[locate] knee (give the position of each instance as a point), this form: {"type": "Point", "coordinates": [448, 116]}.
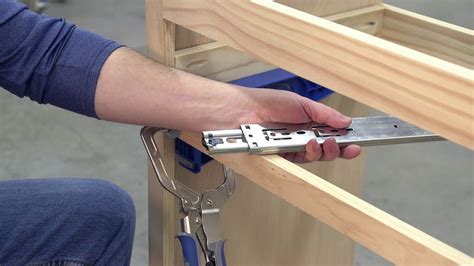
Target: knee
{"type": "Point", "coordinates": [109, 200]}
{"type": "Point", "coordinates": [88, 219]}
{"type": "Point", "coordinates": [107, 205]}
{"type": "Point", "coordinates": [114, 219]}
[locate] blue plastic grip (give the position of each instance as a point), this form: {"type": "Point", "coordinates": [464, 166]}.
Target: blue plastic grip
{"type": "Point", "coordinates": [224, 262]}
{"type": "Point", "coordinates": [189, 245]}
{"type": "Point", "coordinates": [219, 255]}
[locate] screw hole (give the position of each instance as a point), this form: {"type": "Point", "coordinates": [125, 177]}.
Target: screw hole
{"type": "Point", "coordinates": [395, 126]}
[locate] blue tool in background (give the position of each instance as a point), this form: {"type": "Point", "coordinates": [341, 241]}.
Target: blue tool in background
{"type": "Point", "coordinates": [200, 231]}
{"type": "Point", "coordinates": [279, 79]}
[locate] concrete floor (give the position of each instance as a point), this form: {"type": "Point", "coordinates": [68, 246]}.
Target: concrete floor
{"type": "Point", "coordinates": [427, 185]}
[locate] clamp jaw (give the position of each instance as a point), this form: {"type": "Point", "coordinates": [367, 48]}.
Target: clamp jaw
{"type": "Point", "coordinates": [200, 221]}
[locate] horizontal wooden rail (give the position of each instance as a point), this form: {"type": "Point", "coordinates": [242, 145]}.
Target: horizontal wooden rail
{"type": "Point", "coordinates": [384, 234]}
{"type": "Point", "coordinates": [368, 19]}
{"type": "Point", "coordinates": [428, 35]}
{"type": "Point", "coordinates": [432, 93]}
{"type": "Point", "coordinates": [206, 59]}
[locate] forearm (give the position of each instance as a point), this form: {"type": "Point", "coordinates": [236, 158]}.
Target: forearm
{"type": "Point", "coordinates": [133, 89]}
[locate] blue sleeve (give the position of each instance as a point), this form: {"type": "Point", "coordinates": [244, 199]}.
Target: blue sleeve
{"type": "Point", "coordinates": [50, 60]}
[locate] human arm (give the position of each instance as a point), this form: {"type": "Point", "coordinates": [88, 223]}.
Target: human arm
{"type": "Point", "coordinates": [133, 89]}
{"type": "Point", "coordinates": [51, 61]}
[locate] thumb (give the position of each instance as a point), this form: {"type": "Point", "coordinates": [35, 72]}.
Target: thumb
{"type": "Point", "coordinates": [323, 114]}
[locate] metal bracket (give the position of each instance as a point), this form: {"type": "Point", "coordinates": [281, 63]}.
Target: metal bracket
{"type": "Point", "coordinates": [279, 138]}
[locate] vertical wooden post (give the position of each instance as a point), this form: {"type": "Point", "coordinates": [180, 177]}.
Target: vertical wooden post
{"type": "Point", "coordinates": [162, 206]}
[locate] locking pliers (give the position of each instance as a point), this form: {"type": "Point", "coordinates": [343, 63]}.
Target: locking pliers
{"type": "Point", "coordinates": [200, 211]}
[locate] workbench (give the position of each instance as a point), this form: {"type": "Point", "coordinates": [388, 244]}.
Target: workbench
{"type": "Point", "coordinates": [414, 67]}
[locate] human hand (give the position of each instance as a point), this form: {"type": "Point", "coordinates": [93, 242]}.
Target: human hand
{"type": "Point", "coordinates": [273, 106]}
{"type": "Point", "coordinates": [135, 90]}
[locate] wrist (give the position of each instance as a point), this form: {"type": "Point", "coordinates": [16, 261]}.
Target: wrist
{"type": "Point", "coordinates": [252, 107]}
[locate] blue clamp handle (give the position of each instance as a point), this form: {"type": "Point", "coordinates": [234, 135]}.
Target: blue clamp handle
{"type": "Point", "coordinates": [190, 247]}
{"type": "Point", "coordinates": [218, 249]}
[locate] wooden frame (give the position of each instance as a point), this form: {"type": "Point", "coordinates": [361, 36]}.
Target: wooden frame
{"type": "Point", "coordinates": [421, 89]}
{"type": "Point", "coordinates": [382, 233]}
{"type": "Point", "coordinates": [408, 65]}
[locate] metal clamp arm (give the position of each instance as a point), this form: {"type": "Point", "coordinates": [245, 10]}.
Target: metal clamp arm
{"type": "Point", "coordinates": [188, 196]}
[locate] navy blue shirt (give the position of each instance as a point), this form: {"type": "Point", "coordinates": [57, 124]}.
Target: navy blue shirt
{"type": "Point", "coordinates": [50, 60]}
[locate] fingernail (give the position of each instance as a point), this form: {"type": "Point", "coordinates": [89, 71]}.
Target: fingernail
{"type": "Point", "coordinates": [345, 118]}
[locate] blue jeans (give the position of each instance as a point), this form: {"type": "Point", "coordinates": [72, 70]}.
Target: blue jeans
{"type": "Point", "coordinates": [65, 222]}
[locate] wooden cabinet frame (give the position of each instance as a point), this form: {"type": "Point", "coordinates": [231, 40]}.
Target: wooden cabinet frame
{"type": "Point", "coordinates": [414, 67]}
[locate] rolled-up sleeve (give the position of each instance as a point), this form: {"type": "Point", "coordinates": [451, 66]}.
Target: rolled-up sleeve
{"type": "Point", "coordinates": [50, 60]}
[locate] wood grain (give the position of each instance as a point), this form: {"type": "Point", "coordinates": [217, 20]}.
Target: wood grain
{"type": "Point", "coordinates": [292, 223]}
{"type": "Point", "coordinates": [430, 36]}
{"type": "Point", "coordinates": [186, 38]}
{"type": "Point", "coordinates": [423, 90]}
{"type": "Point", "coordinates": [163, 220]}
{"type": "Point", "coordinates": [384, 234]}
{"type": "Point", "coordinates": [368, 20]}
{"type": "Point", "coordinates": [323, 8]}
{"type": "Point", "coordinates": [206, 60]}
{"type": "Point", "coordinates": [278, 233]}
